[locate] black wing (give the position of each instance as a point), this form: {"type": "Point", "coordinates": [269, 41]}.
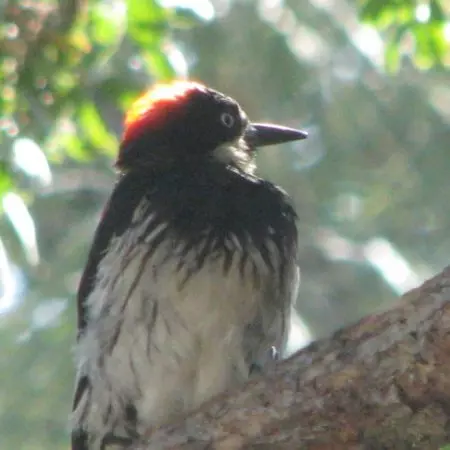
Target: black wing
{"type": "Point", "coordinates": [115, 220]}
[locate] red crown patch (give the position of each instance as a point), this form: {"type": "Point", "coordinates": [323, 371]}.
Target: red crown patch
{"type": "Point", "coordinates": [156, 107]}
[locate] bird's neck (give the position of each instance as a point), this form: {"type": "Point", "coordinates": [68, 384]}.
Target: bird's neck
{"type": "Point", "coordinates": [217, 197]}
{"type": "Point", "coordinates": [235, 155]}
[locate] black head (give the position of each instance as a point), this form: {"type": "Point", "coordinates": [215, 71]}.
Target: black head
{"type": "Point", "coordinates": [186, 122]}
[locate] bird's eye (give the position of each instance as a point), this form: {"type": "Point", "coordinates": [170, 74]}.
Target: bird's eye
{"type": "Point", "coordinates": [227, 119]}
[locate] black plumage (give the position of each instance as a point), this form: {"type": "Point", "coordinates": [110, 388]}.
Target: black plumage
{"type": "Point", "coordinates": [193, 250]}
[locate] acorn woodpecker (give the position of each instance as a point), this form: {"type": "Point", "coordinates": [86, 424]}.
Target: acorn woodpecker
{"type": "Point", "coordinates": [191, 276]}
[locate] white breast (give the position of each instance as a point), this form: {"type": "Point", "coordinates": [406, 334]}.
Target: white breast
{"type": "Point", "coordinates": [166, 339]}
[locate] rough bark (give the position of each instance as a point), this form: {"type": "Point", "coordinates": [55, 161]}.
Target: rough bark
{"type": "Point", "coordinates": [383, 383]}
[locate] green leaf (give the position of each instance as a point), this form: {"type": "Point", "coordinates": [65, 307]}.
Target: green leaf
{"type": "Point", "coordinates": [148, 25]}
{"type": "Point", "coordinates": [74, 148]}
{"type": "Point", "coordinates": [373, 9]}
{"type": "Point", "coordinates": [148, 22]}
{"type": "Point", "coordinates": [398, 18]}
{"type": "Point", "coordinates": [437, 13]}
{"type": "Point", "coordinates": [95, 130]}
{"type": "Point", "coordinates": [159, 64]}
{"type": "Point", "coordinates": [106, 28]}
{"type": "Point", "coordinates": [431, 45]}
{"type": "Point", "coordinates": [6, 179]}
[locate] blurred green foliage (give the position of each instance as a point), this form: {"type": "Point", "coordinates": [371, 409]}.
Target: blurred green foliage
{"type": "Point", "coordinates": [369, 185]}
{"type": "Point", "coordinates": [62, 66]}
{"type": "Point", "coordinates": [58, 60]}
{"type": "Point", "coordinates": [419, 30]}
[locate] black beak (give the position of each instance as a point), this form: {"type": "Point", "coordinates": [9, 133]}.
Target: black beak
{"type": "Point", "coordinates": [259, 134]}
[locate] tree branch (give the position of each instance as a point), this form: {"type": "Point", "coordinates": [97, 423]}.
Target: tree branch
{"type": "Point", "coordinates": [383, 383]}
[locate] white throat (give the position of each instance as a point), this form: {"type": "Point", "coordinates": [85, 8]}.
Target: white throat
{"type": "Point", "coordinates": [237, 154]}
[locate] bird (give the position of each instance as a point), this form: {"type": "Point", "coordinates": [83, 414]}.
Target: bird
{"type": "Point", "coordinates": [192, 274]}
